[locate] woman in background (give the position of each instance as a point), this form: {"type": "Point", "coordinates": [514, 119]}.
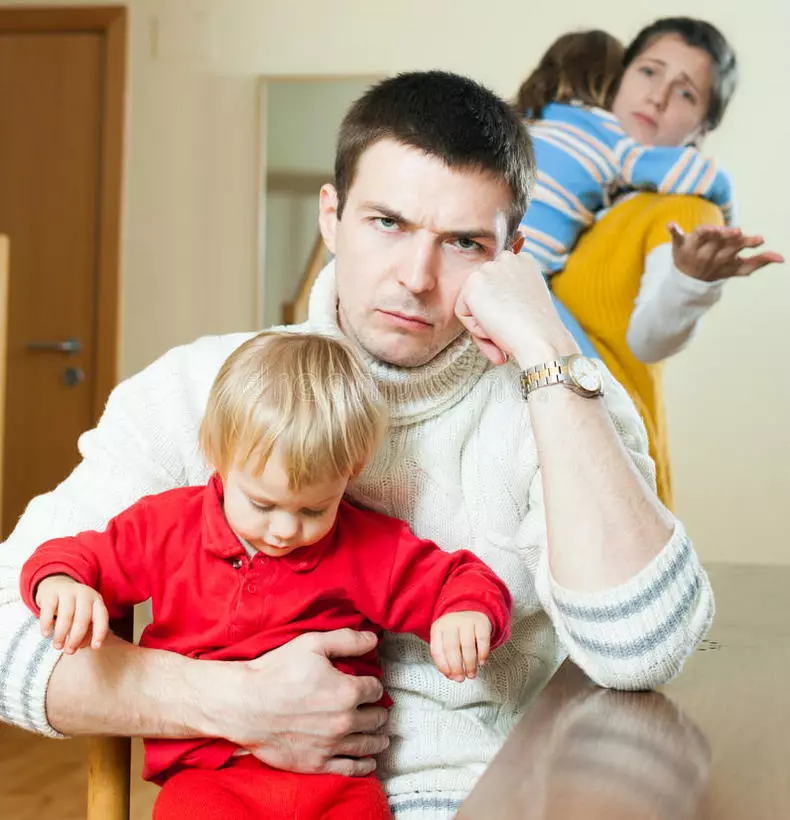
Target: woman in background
{"type": "Point", "coordinates": [640, 301]}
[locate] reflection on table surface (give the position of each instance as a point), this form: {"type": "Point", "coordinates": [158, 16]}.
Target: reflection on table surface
{"type": "Point", "coordinates": [712, 745]}
{"type": "Point", "coordinates": [586, 752]}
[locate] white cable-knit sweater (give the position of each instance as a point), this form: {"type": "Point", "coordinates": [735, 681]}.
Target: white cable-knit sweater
{"type": "Point", "coordinates": [460, 465]}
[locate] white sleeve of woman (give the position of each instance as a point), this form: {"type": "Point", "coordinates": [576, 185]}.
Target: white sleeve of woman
{"type": "Point", "coordinates": [668, 308]}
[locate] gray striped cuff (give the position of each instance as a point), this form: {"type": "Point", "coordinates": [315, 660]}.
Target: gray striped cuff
{"type": "Point", "coordinates": [639, 633]}
{"type": "Point", "coordinates": [26, 664]}
{"type": "Point", "coordinates": [426, 806]}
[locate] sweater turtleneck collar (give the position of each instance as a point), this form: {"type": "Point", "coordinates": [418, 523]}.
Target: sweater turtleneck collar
{"type": "Point", "coordinates": [412, 394]}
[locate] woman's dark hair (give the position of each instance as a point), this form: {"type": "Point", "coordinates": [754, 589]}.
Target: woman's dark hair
{"type": "Point", "coordinates": [582, 65]}
{"type": "Point", "coordinates": [702, 35]}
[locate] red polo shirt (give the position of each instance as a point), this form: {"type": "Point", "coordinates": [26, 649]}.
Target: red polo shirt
{"type": "Point", "coordinates": [209, 600]}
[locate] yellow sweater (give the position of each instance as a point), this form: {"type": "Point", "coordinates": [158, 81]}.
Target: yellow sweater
{"type": "Point", "coordinates": [600, 284]}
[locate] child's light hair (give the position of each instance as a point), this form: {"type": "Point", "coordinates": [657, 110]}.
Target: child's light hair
{"type": "Point", "coordinates": [307, 395]}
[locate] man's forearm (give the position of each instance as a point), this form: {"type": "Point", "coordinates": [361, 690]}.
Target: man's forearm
{"type": "Point", "coordinates": [604, 522]}
{"type": "Point", "coordinates": [290, 707]}
{"type": "Point", "coordinates": [123, 689]}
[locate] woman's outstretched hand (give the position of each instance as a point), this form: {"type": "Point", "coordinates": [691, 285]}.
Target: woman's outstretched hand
{"type": "Point", "coordinates": [711, 253]}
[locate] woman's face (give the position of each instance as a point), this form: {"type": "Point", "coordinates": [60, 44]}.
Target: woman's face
{"type": "Point", "coordinates": [664, 94]}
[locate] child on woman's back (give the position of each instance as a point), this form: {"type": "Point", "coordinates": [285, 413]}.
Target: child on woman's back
{"type": "Point", "coordinates": [583, 153]}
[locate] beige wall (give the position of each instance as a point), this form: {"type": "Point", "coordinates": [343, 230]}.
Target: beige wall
{"type": "Point", "coordinates": [300, 119]}
{"type": "Point", "coordinates": [189, 253]}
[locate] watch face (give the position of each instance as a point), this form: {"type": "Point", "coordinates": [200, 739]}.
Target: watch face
{"type": "Point", "coordinates": [585, 373]}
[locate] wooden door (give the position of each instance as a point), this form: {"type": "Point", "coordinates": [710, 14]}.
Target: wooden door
{"type": "Point", "coordinates": [3, 344]}
{"type": "Point", "coordinates": [55, 180]}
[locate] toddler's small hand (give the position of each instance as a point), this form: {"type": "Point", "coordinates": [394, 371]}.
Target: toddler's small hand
{"type": "Point", "coordinates": [76, 610]}
{"type": "Point", "coordinates": [460, 642]}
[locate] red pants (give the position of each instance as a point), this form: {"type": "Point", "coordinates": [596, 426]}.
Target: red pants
{"type": "Point", "coordinates": [247, 789]}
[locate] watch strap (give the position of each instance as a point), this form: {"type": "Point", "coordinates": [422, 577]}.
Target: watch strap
{"type": "Point", "coordinates": [557, 371]}
{"type": "Point", "coordinates": [545, 375]}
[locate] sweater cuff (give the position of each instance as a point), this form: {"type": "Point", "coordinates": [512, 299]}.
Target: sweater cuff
{"type": "Point", "coordinates": [705, 292]}
{"type": "Point", "coordinates": [639, 634]}
{"type": "Point", "coordinates": [27, 667]}
{"type": "Point", "coordinates": [426, 805]}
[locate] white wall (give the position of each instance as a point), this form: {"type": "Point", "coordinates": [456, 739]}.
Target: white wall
{"type": "Point", "coordinates": [291, 228]}
{"type": "Point", "coordinates": [300, 119]}
{"type": "Point", "coordinates": [189, 249]}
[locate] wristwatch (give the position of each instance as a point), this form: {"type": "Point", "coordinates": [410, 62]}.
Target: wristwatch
{"type": "Point", "coordinates": [578, 373]}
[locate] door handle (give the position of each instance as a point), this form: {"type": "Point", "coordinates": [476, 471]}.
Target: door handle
{"type": "Point", "coordinates": [65, 346]}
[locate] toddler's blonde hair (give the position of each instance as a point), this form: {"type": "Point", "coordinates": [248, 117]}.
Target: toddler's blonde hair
{"type": "Point", "coordinates": [306, 394]}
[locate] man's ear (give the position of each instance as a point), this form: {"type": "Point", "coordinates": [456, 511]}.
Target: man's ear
{"type": "Point", "coordinates": [518, 244]}
{"type": "Point", "coordinates": [327, 215]}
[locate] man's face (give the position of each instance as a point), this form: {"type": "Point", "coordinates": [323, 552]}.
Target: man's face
{"type": "Point", "coordinates": [412, 231]}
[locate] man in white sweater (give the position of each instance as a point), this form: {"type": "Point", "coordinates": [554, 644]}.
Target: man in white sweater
{"type": "Point", "coordinates": [555, 492]}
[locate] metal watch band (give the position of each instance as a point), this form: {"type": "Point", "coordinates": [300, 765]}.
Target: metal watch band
{"type": "Point", "coordinates": [545, 375]}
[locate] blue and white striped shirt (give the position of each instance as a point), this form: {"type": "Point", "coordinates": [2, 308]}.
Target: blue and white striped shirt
{"type": "Point", "coordinates": [582, 154]}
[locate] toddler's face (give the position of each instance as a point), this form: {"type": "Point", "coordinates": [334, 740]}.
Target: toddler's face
{"type": "Point", "coordinates": [274, 519]}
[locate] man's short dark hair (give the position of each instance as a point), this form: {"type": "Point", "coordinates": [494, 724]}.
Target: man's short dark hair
{"type": "Point", "coordinates": [448, 117]}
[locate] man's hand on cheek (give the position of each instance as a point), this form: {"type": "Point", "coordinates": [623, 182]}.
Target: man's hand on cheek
{"type": "Point", "coordinates": [508, 309]}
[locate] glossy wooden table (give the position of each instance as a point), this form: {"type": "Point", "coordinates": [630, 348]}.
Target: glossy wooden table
{"type": "Point", "coordinates": [714, 744]}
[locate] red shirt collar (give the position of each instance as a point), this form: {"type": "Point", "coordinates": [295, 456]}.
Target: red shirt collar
{"type": "Point", "coordinates": [220, 540]}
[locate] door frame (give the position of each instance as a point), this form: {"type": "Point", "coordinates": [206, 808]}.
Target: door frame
{"type": "Point", "coordinates": [111, 23]}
